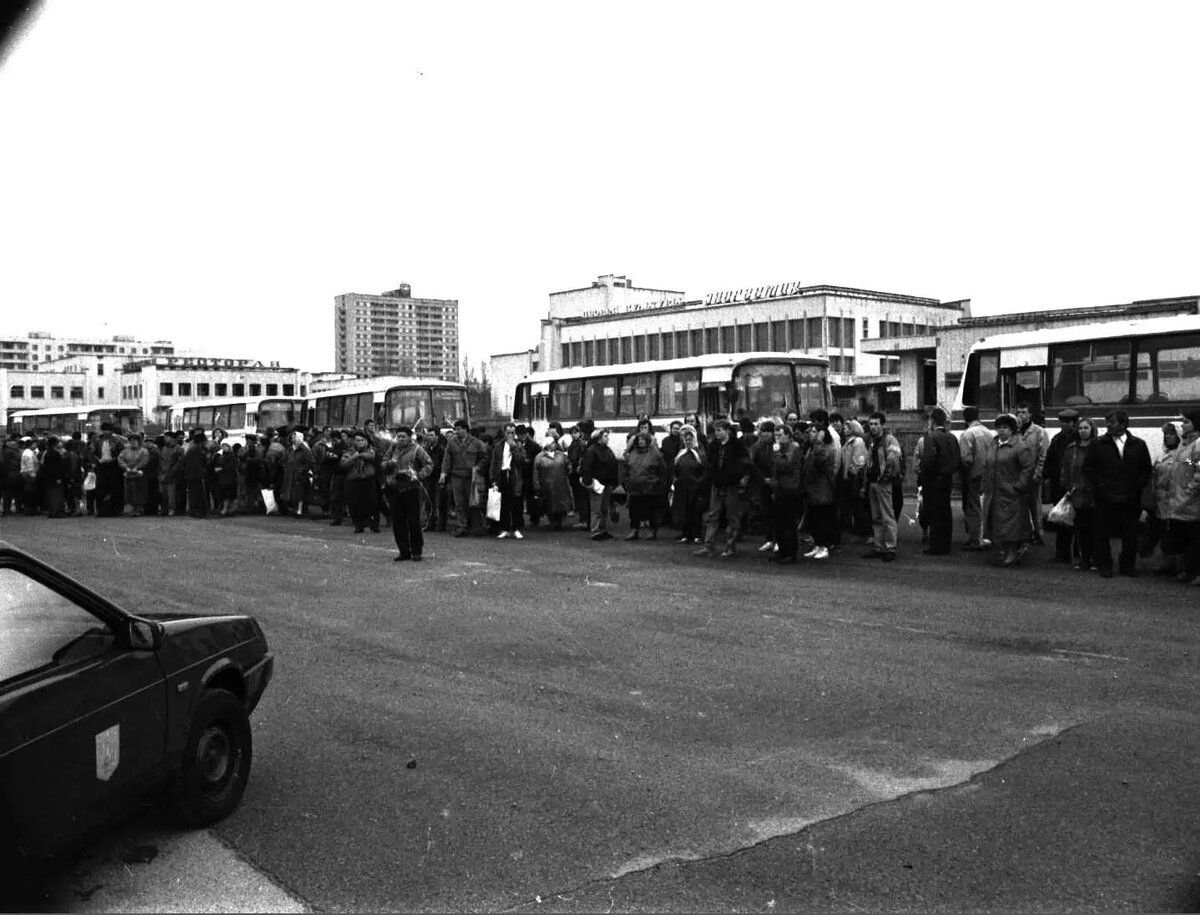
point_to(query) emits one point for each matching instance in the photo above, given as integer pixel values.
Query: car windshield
(38, 626)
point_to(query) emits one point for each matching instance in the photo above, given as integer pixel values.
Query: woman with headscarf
(1154, 501)
(1181, 506)
(551, 483)
(1076, 486)
(855, 513)
(689, 497)
(1007, 516)
(645, 482)
(297, 477)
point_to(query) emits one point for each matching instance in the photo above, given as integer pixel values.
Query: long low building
(613, 322)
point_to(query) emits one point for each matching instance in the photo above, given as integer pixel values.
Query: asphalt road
(558, 724)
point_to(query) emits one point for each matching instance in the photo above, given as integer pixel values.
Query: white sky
(215, 173)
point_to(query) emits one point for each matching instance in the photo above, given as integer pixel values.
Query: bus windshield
(763, 390)
(275, 413)
(406, 407)
(449, 405)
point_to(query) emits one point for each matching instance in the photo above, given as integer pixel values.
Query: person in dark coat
(1072, 481)
(730, 472)
(939, 463)
(508, 476)
(689, 486)
(785, 480)
(195, 475)
(1052, 476)
(819, 488)
(645, 482)
(551, 484)
(1118, 467)
(581, 438)
(1008, 521)
(599, 473)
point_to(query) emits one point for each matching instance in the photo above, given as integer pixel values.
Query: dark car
(100, 708)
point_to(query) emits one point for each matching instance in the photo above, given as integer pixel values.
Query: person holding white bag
(599, 473)
(508, 461)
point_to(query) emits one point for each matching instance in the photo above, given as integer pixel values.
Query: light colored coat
(1007, 509)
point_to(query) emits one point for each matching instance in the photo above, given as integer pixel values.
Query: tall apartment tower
(395, 334)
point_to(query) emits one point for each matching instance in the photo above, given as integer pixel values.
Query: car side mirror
(144, 635)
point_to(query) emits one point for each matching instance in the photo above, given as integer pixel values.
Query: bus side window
(1023, 386)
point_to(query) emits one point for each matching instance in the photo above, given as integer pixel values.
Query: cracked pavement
(495, 727)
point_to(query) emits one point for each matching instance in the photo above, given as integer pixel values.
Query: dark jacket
(195, 462)
(1118, 480)
(1052, 472)
(516, 466)
(940, 460)
(787, 468)
(729, 464)
(645, 472)
(600, 464)
(820, 473)
(461, 458)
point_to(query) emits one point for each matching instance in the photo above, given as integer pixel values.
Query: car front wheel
(216, 761)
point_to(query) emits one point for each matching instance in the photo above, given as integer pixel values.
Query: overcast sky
(215, 173)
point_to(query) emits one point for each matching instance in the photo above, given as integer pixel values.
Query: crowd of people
(824, 481)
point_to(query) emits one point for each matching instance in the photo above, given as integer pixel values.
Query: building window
(779, 336)
(668, 346)
(17, 390)
(37, 392)
(77, 393)
(681, 344)
(848, 364)
(239, 389)
(761, 342)
(576, 353)
(303, 390)
(651, 346)
(796, 329)
(272, 390)
(203, 389)
(745, 338)
(816, 337)
(166, 389)
(627, 349)
(639, 348)
(589, 352)
(835, 332)
(712, 342)
(221, 388)
(865, 328)
(566, 354)
(727, 340)
(99, 368)
(289, 390)
(185, 389)
(256, 390)
(601, 352)
(100, 393)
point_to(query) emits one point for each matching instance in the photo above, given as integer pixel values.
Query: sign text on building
(641, 306)
(753, 294)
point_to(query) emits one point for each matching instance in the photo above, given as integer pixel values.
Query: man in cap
(1118, 467)
(1068, 420)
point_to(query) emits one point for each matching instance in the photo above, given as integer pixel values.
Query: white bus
(390, 401)
(238, 416)
(755, 385)
(62, 421)
(1149, 368)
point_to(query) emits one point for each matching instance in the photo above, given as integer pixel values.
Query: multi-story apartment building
(29, 351)
(395, 334)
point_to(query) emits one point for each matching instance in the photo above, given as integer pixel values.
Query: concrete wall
(504, 371)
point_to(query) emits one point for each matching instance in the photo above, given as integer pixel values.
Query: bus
(755, 385)
(1149, 368)
(64, 421)
(390, 401)
(238, 416)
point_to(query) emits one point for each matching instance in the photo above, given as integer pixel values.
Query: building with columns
(613, 322)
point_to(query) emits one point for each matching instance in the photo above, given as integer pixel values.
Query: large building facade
(394, 333)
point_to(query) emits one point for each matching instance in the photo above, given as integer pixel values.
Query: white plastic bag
(89, 482)
(268, 498)
(1063, 514)
(493, 504)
